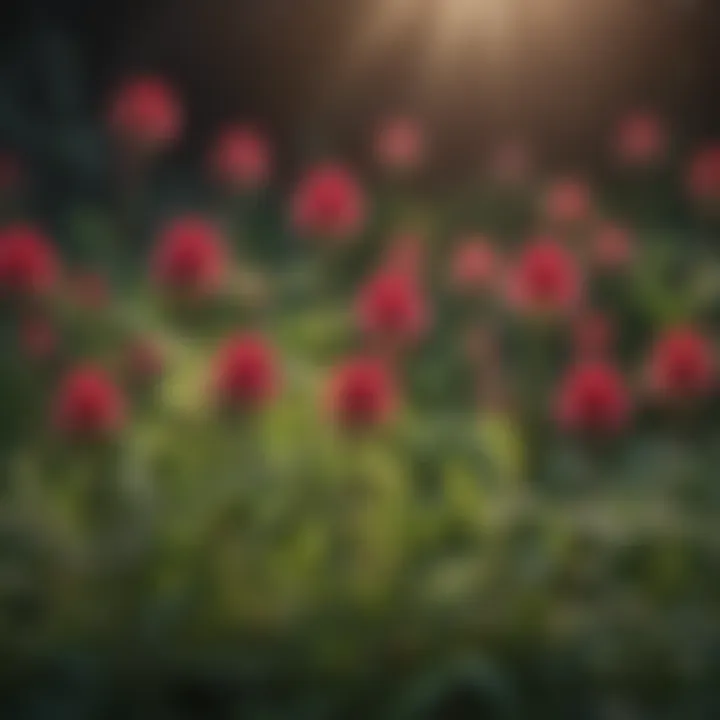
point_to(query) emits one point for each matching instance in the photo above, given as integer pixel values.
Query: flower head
(641, 140)
(390, 306)
(703, 175)
(88, 405)
(361, 394)
(241, 159)
(29, 265)
(145, 113)
(682, 365)
(593, 398)
(190, 257)
(329, 204)
(473, 266)
(546, 278)
(245, 373)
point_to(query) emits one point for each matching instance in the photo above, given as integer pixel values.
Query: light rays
(442, 32)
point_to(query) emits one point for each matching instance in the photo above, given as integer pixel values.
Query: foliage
(473, 558)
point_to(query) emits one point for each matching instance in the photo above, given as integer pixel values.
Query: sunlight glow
(447, 33)
(446, 24)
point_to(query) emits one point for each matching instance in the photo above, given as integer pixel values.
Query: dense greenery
(474, 557)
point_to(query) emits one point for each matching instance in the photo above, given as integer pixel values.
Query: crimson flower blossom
(241, 159)
(88, 405)
(361, 394)
(145, 113)
(245, 373)
(190, 257)
(329, 204)
(546, 278)
(593, 399)
(391, 307)
(682, 365)
(29, 265)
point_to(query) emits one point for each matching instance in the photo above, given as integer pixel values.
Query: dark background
(282, 62)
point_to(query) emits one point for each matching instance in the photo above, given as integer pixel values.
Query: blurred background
(556, 71)
(516, 543)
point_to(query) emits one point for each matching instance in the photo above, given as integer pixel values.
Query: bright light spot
(457, 33)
